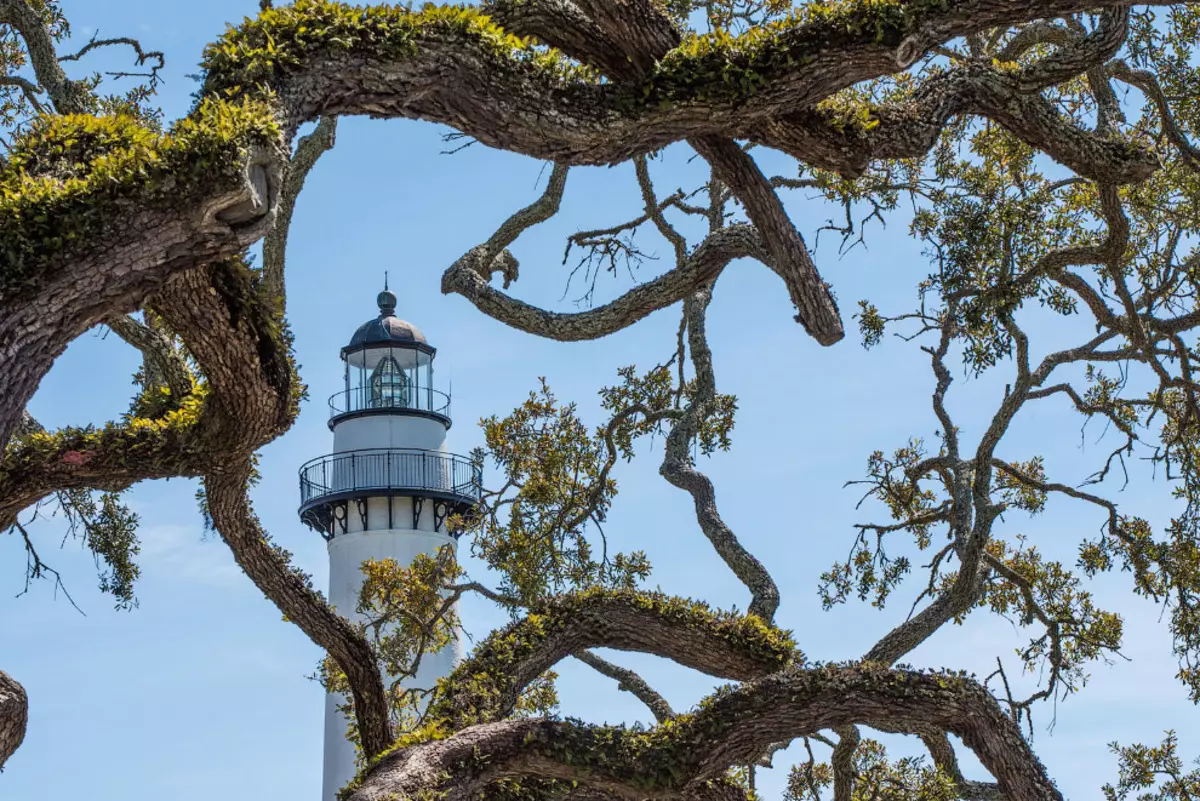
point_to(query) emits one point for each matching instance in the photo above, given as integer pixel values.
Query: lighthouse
(387, 489)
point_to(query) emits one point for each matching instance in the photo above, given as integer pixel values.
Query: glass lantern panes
(390, 377)
(389, 385)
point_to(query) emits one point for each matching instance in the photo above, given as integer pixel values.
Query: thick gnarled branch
(910, 129)
(486, 686)
(734, 728)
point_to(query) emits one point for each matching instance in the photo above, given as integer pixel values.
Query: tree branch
(161, 357)
(731, 729)
(14, 716)
(677, 467)
(268, 567)
(469, 277)
(68, 96)
(309, 150)
(630, 682)
(594, 123)
(486, 686)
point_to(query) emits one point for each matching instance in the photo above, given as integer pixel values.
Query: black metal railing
(391, 470)
(362, 399)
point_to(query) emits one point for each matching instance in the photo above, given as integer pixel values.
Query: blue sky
(202, 691)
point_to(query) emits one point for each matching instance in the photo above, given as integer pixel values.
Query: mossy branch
(733, 727)
(486, 687)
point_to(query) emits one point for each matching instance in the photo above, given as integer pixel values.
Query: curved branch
(654, 210)
(112, 458)
(28, 88)
(459, 69)
(1148, 84)
(633, 37)
(594, 123)
(142, 55)
(237, 339)
(249, 399)
(539, 211)
(630, 682)
(789, 257)
(233, 516)
(968, 583)
(309, 150)
(678, 469)
(942, 751)
(639, 29)
(14, 716)
(469, 277)
(68, 96)
(910, 129)
(159, 353)
(1081, 54)
(733, 728)
(623, 42)
(63, 290)
(486, 687)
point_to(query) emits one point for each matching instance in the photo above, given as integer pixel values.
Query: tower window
(389, 385)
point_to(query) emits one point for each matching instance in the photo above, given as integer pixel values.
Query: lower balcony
(330, 484)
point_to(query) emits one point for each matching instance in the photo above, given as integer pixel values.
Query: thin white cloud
(181, 552)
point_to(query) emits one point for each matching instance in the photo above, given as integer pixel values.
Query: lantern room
(389, 369)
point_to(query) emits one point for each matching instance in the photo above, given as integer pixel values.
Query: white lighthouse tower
(387, 488)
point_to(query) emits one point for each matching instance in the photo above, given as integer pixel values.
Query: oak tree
(1046, 151)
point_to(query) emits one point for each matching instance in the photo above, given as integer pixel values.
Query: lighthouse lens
(389, 385)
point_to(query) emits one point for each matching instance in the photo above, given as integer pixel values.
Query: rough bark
(238, 344)
(233, 517)
(163, 363)
(494, 101)
(236, 338)
(789, 256)
(732, 729)
(116, 277)
(170, 255)
(67, 95)
(14, 715)
(486, 686)
(678, 469)
(469, 277)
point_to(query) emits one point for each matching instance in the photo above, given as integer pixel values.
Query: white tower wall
(346, 553)
(389, 431)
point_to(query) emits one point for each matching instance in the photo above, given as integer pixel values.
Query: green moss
(722, 66)
(153, 445)
(480, 689)
(76, 178)
(665, 758)
(264, 50)
(73, 179)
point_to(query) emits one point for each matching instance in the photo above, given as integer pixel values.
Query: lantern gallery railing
(390, 471)
(367, 400)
